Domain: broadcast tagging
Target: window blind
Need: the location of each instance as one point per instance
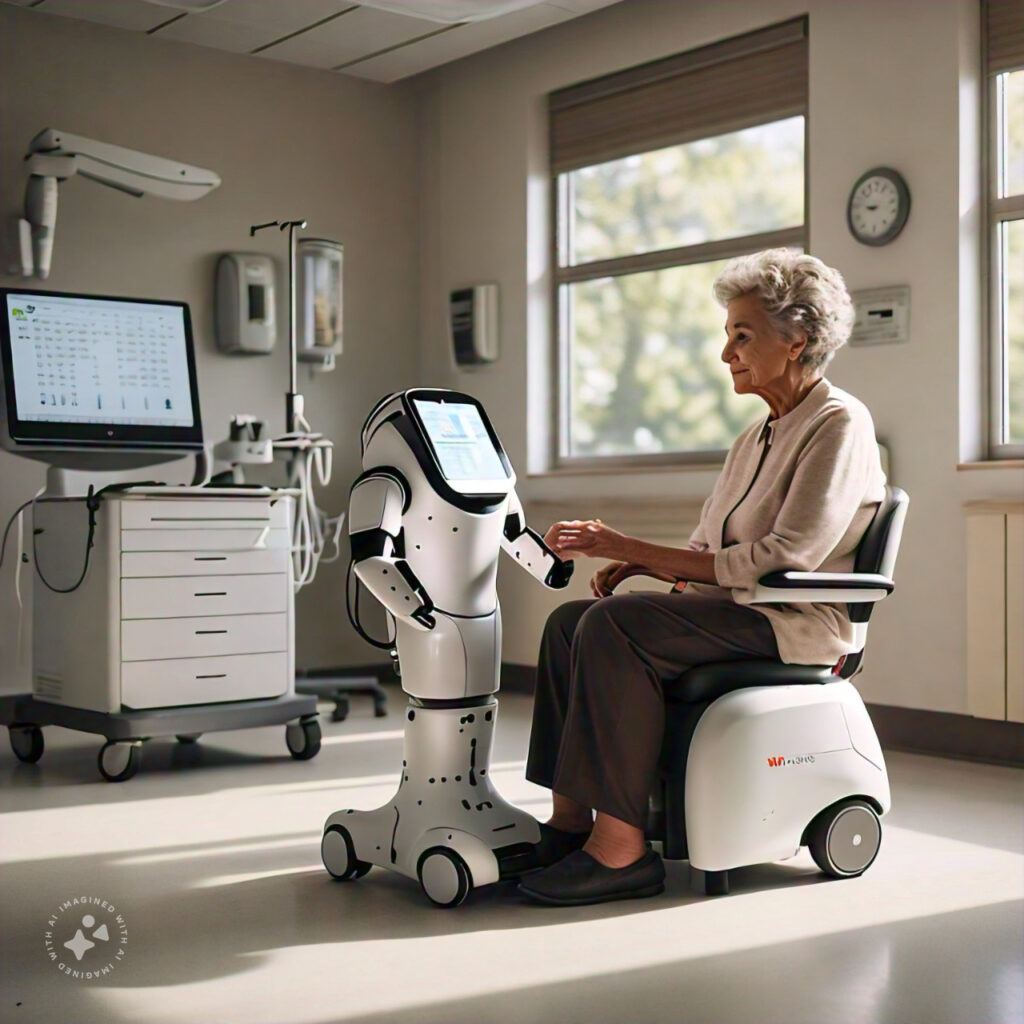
(1004, 35)
(749, 79)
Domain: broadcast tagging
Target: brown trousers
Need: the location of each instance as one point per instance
(605, 668)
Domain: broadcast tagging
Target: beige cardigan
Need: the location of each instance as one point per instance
(805, 507)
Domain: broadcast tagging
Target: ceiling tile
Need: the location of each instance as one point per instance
(242, 26)
(459, 42)
(355, 34)
(136, 15)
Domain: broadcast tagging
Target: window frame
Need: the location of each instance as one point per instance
(997, 212)
(563, 277)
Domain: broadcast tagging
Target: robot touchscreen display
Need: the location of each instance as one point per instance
(461, 442)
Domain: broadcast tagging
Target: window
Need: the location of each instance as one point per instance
(1004, 62)
(661, 174)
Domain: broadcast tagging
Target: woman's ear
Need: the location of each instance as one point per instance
(797, 346)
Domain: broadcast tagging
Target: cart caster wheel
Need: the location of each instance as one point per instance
(844, 839)
(339, 855)
(444, 876)
(118, 762)
(26, 742)
(341, 708)
(303, 739)
(191, 737)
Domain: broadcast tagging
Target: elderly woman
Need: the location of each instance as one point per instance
(797, 491)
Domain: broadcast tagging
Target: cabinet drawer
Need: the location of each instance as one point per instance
(207, 563)
(251, 539)
(203, 636)
(160, 684)
(167, 597)
(204, 513)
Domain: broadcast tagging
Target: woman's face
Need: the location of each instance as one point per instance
(758, 356)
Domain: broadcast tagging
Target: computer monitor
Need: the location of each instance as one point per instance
(463, 443)
(93, 381)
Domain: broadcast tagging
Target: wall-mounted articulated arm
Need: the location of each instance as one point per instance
(55, 156)
(527, 547)
(375, 522)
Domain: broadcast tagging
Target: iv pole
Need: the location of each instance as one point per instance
(293, 400)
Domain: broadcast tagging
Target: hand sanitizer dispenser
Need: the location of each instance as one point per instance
(245, 320)
(473, 319)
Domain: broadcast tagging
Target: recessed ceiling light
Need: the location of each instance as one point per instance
(451, 11)
(191, 6)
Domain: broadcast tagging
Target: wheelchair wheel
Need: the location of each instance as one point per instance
(844, 839)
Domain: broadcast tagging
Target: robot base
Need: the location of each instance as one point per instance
(446, 826)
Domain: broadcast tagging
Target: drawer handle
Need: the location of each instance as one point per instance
(205, 632)
(214, 675)
(210, 558)
(211, 593)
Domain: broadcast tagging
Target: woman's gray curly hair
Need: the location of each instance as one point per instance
(799, 293)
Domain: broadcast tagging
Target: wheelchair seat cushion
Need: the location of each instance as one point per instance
(708, 682)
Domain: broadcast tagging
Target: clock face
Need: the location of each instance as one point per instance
(878, 207)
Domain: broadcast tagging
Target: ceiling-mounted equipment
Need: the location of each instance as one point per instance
(451, 12)
(319, 296)
(55, 156)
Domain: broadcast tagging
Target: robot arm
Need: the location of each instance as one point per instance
(374, 525)
(56, 156)
(528, 548)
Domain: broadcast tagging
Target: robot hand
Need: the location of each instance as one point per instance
(527, 547)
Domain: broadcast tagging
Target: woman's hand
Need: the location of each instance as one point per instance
(589, 537)
(552, 539)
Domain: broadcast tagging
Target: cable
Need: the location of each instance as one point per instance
(353, 616)
(311, 464)
(92, 503)
(10, 522)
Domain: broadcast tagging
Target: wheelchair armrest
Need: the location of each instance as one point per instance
(791, 587)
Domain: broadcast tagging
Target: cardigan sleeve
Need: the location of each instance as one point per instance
(829, 484)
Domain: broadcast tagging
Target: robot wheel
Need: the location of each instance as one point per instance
(338, 853)
(444, 876)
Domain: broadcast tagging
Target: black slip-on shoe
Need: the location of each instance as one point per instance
(579, 879)
(554, 845)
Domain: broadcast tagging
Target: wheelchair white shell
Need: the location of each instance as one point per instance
(765, 761)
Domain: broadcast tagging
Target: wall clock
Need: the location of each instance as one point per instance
(878, 206)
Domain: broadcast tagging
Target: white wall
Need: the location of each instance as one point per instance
(890, 83)
(287, 142)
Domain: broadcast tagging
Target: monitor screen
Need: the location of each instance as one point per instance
(461, 441)
(98, 371)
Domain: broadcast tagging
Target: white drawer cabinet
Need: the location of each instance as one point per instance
(155, 684)
(188, 600)
(204, 563)
(202, 637)
(164, 597)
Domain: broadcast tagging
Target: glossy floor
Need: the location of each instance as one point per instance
(211, 856)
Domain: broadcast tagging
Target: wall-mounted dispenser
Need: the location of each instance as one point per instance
(319, 300)
(245, 320)
(473, 323)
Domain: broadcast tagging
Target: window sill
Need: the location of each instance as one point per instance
(991, 464)
(620, 469)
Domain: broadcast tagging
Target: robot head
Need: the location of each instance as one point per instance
(453, 442)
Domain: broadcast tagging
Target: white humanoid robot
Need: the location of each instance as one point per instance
(428, 517)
